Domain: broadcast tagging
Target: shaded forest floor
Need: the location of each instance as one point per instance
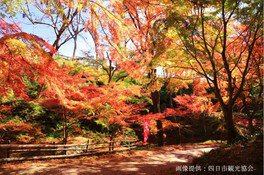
(240, 158)
(159, 160)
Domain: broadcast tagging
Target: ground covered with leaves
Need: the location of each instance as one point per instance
(199, 158)
(157, 160)
(240, 158)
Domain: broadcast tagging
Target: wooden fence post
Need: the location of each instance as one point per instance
(113, 145)
(87, 146)
(110, 143)
(54, 152)
(8, 150)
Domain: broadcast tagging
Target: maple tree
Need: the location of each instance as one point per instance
(17, 128)
(199, 102)
(218, 48)
(58, 90)
(141, 17)
(113, 109)
(126, 44)
(250, 100)
(24, 61)
(197, 105)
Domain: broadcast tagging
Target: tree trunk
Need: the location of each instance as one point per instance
(155, 96)
(111, 143)
(160, 133)
(204, 125)
(74, 47)
(250, 125)
(233, 134)
(179, 134)
(56, 43)
(250, 115)
(171, 100)
(64, 130)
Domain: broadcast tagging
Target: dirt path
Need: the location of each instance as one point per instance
(160, 160)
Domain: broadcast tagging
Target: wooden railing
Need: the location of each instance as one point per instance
(16, 152)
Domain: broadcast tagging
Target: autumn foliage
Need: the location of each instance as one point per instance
(152, 62)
